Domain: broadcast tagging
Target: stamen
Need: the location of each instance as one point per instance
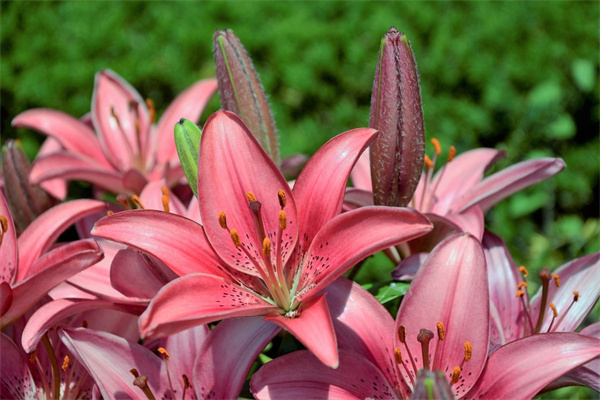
(282, 198)
(65, 364)
(137, 202)
(235, 237)
(441, 331)
(545, 277)
(402, 334)
(575, 295)
(563, 314)
(33, 356)
(521, 285)
(398, 355)
(113, 113)
(520, 293)
(524, 271)
(152, 110)
(267, 248)
(164, 352)
(123, 201)
(468, 351)
(556, 279)
(186, 384)
(456, 375)
(428, 162)
(424, 337)
(223, 220)
(84, 324)
(436, 145)
(250, 196)
(165, 198)
(554, 311)
(134, 372)
(109, 212)
(282, 220)
(4, 222)
(451, 154)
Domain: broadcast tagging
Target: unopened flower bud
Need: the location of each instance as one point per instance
(187, 142)
(431, 385)
(241, 91)
(397, 112)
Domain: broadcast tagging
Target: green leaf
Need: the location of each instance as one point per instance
(392, 291)
(584, 74)
(187, 141)
(562, 128)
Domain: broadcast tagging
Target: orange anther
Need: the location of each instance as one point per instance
(223, 220)
(65, 364)
(556, 279)
(554, 311)
(436, 145)
(137, 202)
(441, 330)
(282, 219)
(164, 352)
(151, 109)
(575, 295)
(451, 153)
(456, 375)
(524, 271)
(521, 285)
(251, 197)
(282, 198)
(428, 162)
(267, 248)
(109, 212)
(165, 198)
(520, 293)
(4, 222)
(398, 355)
(235, 237)
(468, 351)
(402, 334)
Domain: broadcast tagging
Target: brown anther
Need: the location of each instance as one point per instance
(468, 351)
(223, 220)
(441, 331)
(575, 295)
(282, 198)
(137, 125)
(520, 293)
(451, 153)
(33, 357)
(152, 110)
(402, 334)
(134, 372)
(436, 145)
(164, 352)
(65, 365)
(186, 381)
(282, 219)
(523, 271)
(267, 248)
(84, 324)
(521, 285)
(456, 375)
(556, 279)
(165, 198)
(398, 355)
(4, 222)
(554, 311)
(137, 202)
(109, 212)
(235, 237)
(428, 162)
(113, 113)
(123, 200)
(251, 197)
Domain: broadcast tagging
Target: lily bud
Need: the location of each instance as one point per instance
(397, 112)
(431, 385)
(26, 201)
(187, 142)
(241, 91)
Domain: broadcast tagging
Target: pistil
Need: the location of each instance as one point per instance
(424, 337)
(545, 277)
(142, 383)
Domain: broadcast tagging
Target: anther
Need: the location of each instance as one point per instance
(398, 355)
(523, 271)
(65, 364)
(436, 145)
(520, 293)
(165, 198)
(109, 212)
(556, 279)
(186, 381)
(282, 198)
(137, 202)
(424, 337)
(164, 352)
(113, 113)
(402, 334)
(468, 351)
(428, 162)
(456, 375)
(251, 197)
(134, 372)
(235, 237)
(451, 153)
(282, 220)
(84, 324)
(266, 248)
(33, 357)
(441, 331)
(554, 311)
(152, 110)
(521, 285)
(4, 222)
(123, 201)
(223, 220)
(575, 295)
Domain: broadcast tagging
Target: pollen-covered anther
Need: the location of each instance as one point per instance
(441, 331)
(455, 375)
(556, 279)
(523, 271)
(468, 351)
(282, 198)
(267, 248)
(186, 381)
(282, 219)
(235, 236)
(165, 198)
(109, 212)
(436, 146)
(65, 364)
(137, 202)
(398, 355)
(251, 197)
(152, 110)
(451, 153)
(4, 223)
(402, 334)
(223, 220)
(520, 293)
(428, 162)
(521, 285)
(575, 295)
(134, 372)
(164, 352)
(554, 311)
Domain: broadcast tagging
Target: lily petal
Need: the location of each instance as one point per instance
(8, 245)
(442, 228)
(311, 324)
(300, 375)
(152, 198)
(228, 354)
(407, 269)
(197, 299)
(16, 381)
(469, 221)
(356, 198)
(523, 367)
(55, 187)
(361, 173)
(358, 234)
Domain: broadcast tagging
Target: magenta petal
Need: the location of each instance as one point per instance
(243, 167)
(300, 375)
(361, 173)
(159, 233)
(16, 381)
(313, 327)
(89, 347)
(319, 190)
(189, 105)
(45, 229)
(197, 299)
(523, 367)
(352, 236)
(8, 249)
(57, 188)
(228, 354)
(510, 180)
(73, 134)
(451, 287)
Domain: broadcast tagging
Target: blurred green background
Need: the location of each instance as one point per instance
(518, 76)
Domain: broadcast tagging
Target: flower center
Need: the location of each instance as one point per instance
(428, 196)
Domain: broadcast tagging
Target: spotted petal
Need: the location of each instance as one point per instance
(16, 381)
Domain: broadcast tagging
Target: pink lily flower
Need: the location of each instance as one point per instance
(128, 150)
(380, 358)
(263, 250)
(196, 363)
(29, 268)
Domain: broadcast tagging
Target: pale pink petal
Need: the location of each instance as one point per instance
(451, 287)
(160, 234)
(356, 198)
(193, 211)
(361, 173)
(503, 277)
(72, 166)
(55, 187)
(523, 367)
(189, 105)
(351, 237)
(71, 133)
(8, 246)
(300, 375)
(16, 381)
(510, 180)
(442, 228)
(45, 229)
(469, 221)
(89, 347)
(228, 354)
(197, 299)
(243, 167)
(152, 198)
(407, 269)
(320, 188)
(311, 324)
(119, 137)
(184, 349)
(581, 275)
